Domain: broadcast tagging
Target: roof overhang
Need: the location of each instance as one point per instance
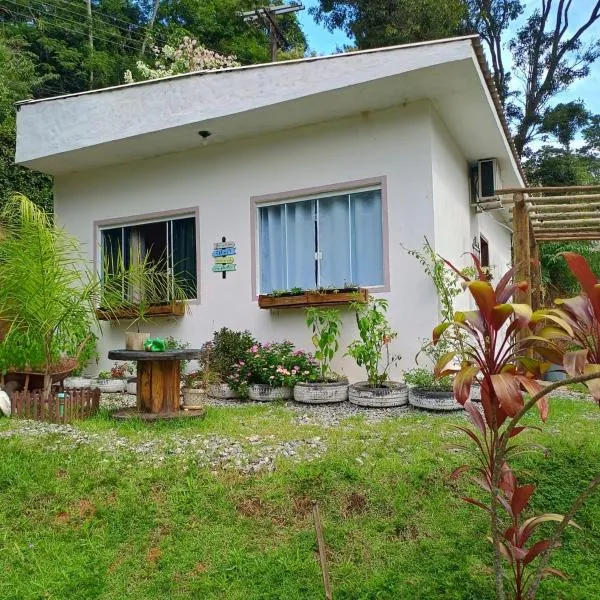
(152, 118)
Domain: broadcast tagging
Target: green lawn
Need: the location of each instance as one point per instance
(82, 521)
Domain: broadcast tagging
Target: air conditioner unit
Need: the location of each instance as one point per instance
(487, 178)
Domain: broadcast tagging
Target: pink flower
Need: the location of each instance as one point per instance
(242, 363)
(254, 349)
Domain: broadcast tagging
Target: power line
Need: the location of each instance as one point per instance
(98, 17)
(30, 17)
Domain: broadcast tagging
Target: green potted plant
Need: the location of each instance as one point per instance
(328, 387)
(270, 371)
(372, 351)
(133, 291)
(220, 355)
(47, 298)
(195, 388)
(114, 380)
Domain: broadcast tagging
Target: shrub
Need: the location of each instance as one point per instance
(277, 364)
(425, 379)
(225, 350)
(325, 325)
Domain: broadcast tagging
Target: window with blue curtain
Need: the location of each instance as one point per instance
(332, 241)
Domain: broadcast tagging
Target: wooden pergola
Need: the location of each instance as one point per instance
(546, 214)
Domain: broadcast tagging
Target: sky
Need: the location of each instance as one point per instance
(324, 42)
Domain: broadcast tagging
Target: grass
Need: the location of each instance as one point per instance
(84, 524)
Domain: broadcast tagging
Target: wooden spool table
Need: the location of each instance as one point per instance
(158, 382)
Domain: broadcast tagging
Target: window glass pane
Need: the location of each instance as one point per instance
(300, 245)
(367, 238)
(271, 236)
(111, 249)
(184, 255)
(334, 241)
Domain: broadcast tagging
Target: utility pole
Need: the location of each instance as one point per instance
(266, 16)
(91, 41)
(150, 26)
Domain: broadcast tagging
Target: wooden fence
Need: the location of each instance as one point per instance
(61, 407)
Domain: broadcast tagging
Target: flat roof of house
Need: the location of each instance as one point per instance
(148, 118)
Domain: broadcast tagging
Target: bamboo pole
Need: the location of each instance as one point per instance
(587, 222)
(562, 207)
(535, 270)
(521, 247)
(548, 190)
(568, 238)
(536, 216)
(322, 551)
(576, 199)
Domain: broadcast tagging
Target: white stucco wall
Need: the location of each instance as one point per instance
(220, 180)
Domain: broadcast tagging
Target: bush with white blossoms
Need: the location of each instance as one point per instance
(189, 56)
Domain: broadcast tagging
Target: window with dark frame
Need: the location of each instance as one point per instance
(170, 244)
(484, 252)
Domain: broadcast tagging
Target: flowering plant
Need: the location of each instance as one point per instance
(121, 370)
(277, 364)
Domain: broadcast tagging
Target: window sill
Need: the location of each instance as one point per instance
(176, 309)
(313, 299)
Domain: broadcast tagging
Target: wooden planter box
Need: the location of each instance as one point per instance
(176, 309)
(76, 404)
(314, 299)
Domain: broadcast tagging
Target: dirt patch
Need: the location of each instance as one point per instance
(198, 569)
(86, 509)
(253, 508)
(153, 555)
(355, 504)
(60, 474)
(407, 533)
(302, 507)
(62, 518)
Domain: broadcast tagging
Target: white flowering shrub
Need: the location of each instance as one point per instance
(189, 56)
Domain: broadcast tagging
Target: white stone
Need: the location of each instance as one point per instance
(4, 404)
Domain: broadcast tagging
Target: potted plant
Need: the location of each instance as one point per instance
(225, 350)
(47, 299)
(328, 387)
(137, 292)
(195, 388)
(269, 371)
(426, 390)
(115, 380)
(372, 351)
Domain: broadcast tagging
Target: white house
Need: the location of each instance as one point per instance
(321, 170)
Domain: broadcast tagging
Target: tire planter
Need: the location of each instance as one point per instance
(193, 397)
(77, 383)
(430, 400)
(475, 392)
(321, 393)
(260, 392)
(393, 394)
(222, 391)
(110, 386)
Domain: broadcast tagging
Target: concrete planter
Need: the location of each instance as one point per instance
(193, 397)
(78, 383)
(430, 400)
(321, 393)
(260, 392)
(222, 391)
(110, 386)
(392, 394)
(132, 386)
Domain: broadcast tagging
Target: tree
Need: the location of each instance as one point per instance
(18, 80)
(549, 54)
(376, 23)
(564, 121)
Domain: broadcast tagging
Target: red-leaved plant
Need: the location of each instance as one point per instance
(501, 341)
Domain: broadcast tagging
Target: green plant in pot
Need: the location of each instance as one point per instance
(226, 349)
(131, 290)
(372, 351)
(47, 297)
(270, 371)
(328, 387)
(195, 387)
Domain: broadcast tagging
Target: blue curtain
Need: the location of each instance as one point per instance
(300, 245)
(367, 238)
(271, 236)
(334, 241)
(184, 254)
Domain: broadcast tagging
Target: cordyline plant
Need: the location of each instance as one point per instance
(501, 339)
